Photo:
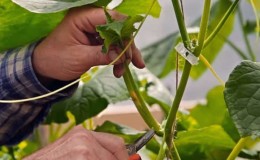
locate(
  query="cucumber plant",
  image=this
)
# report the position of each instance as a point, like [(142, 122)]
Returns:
[(223, 128)]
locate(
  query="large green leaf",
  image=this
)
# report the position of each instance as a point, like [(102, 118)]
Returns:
[(94, 96), (161, 50), (209, 143), (90, 98), (242, 95), (19, 27), (209, 136), (51, 6), (212, 50), (130, 7), (213, 112)]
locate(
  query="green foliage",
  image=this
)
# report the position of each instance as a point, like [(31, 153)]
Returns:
[(115, 31), (19, 27), (128, 134), (166, 45), (103, 3), (215, 108), (242, 97), (167, 57), (51, 6), (214, 48), (136, 7), (205, 132), (204, 143), (94, 96)]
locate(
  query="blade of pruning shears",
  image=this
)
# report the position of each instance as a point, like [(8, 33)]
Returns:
[(140, 142)]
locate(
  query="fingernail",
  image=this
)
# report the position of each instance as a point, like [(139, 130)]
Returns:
[(112, 55)]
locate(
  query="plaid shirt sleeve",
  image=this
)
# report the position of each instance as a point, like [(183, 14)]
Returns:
[(18, 81)]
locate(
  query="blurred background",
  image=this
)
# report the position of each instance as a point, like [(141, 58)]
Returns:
[(155, 29)]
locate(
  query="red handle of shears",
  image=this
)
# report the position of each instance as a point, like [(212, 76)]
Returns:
[(135, 157)]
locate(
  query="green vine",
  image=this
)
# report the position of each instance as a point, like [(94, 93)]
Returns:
[(221, 23), (239, 146)]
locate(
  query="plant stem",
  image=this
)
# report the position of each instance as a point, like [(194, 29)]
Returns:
[(181, 23), (248, 46), (174, 152), (239, 146), (11, 152), (139, 102), (203, 27), (187, 68), (173, 111), (161, 153), (234, 47), (221, 23), (205, 61)]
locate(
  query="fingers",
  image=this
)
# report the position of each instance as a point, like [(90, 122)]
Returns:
[(137, 57), (118, 70), (87, 18), (113, 144), (93, 56)]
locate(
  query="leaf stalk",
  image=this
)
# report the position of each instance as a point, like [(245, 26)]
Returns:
[(248, 46), (239, 146), (139, 101), (221, 23), (187, 68)]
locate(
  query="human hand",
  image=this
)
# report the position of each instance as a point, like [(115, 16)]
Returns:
[(81, 144), (71, 49)]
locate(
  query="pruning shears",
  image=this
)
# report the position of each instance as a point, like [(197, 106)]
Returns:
[(138, 144)]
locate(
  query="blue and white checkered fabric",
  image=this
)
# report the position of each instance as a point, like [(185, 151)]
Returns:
[(18, 81)]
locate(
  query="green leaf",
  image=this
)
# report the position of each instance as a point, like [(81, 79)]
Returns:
[(161, 50), (155, 89), (115, 31), (213, 136), (51, 6), (128, 27), (90, 98), (94, 96), (102, 3), (229, 126), (84, 104), (242, 95), (214, 48), (206, 143), (128, 134), (16, 22), (133, 8), (213, 112)]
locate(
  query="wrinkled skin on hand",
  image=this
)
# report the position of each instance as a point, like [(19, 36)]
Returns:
[(81, 144), (72, 48)]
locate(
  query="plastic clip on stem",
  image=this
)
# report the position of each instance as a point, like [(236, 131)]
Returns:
[(187, 54)]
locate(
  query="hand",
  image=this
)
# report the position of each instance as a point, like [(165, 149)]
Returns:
[(71, 49), (80, 144)]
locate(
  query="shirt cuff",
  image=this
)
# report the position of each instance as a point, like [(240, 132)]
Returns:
[(20, 79)]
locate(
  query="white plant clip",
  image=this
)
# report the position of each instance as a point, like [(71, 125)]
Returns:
[(185, 53)]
